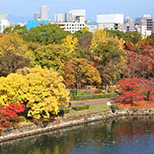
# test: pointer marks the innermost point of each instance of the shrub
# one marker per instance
(63, 111)
(9, 114)
(80, 107)
(114, 108)
(73, 92)
(22, 118)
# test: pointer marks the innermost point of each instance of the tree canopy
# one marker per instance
(14, 54)
(46, 34)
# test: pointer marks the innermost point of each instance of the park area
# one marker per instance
(45, 71)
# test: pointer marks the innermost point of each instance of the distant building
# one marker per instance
(128, 25)
(3, 16)
(74, 20)
(3, 22)
(110, 21)
(37, 16)
(44, 12)
(92, 26)
(76, 15)
(59, 17)
(36, 23)
(73, 27)
(144, 25)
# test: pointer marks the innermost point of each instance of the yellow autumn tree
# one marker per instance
(84, 71)
(70, 42)
(14, 54)
(85, 29)
(41, 90)
(99, 36)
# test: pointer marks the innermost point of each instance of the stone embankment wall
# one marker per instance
(41, 127)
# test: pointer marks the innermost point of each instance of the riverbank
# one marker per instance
(56, 124)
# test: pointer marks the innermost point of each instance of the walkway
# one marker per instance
(93, 102)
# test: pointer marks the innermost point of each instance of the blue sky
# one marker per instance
(19, 10)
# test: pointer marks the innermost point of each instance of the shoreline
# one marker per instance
(12, 133)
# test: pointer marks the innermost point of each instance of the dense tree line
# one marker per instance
(97, 59)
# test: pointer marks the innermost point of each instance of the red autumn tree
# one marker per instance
(144, 43)
(138, 65)
(9, 114)
(128, 90)
(148, 51)
(147, 88)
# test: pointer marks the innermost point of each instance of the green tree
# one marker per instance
(51, 56)
(46, 34)
(84, 37)
(21, 30)
(110, 59)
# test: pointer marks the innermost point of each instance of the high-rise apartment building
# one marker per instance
(144, 25)
(44, 12)
(59, 17)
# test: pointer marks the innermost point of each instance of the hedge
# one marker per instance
(63, 111)
(92, 97)
(80, 107)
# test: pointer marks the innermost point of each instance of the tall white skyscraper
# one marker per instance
(44, 12)
(3, 22)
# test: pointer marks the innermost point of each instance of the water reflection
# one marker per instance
(131, 135)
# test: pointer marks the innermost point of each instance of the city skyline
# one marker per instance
(24, 10)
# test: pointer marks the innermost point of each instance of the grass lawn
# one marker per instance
(92, 109)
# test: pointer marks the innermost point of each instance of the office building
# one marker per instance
(44, 12)
(128, 25)
(92, 26)
(75, 20)
(110, 21)
(77, 15)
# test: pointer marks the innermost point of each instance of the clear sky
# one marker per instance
(19, 10)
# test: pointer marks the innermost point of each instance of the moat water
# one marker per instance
(125, 135)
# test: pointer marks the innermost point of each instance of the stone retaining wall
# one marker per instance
(41, 127)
